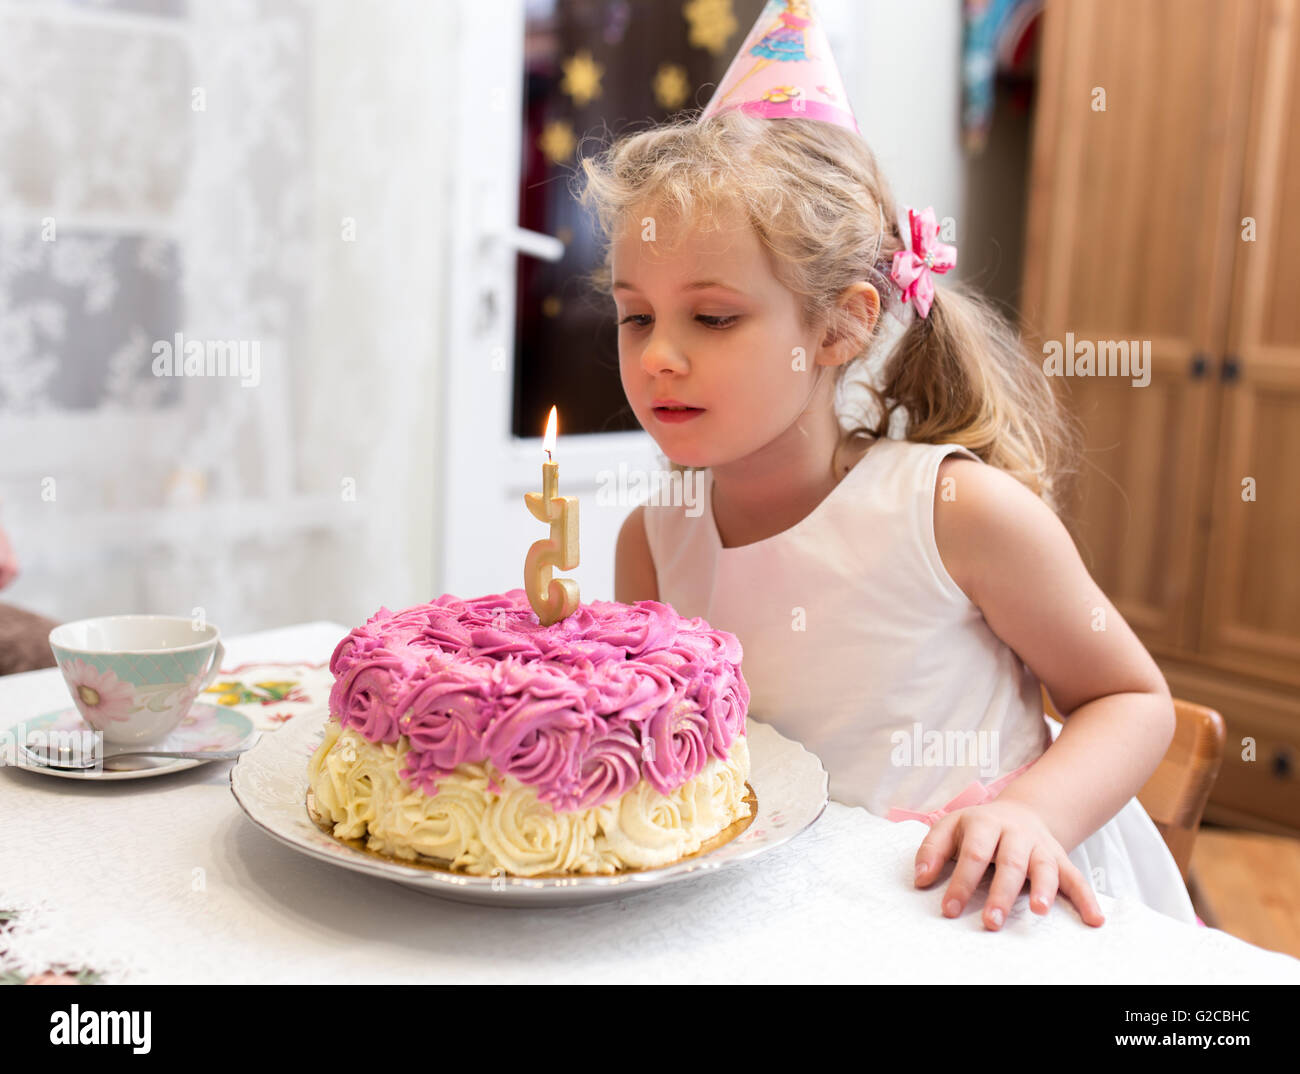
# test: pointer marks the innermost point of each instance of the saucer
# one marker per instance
(204, 727)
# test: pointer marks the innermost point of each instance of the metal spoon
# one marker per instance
(66, 758)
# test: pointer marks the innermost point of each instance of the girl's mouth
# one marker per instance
(677, 414)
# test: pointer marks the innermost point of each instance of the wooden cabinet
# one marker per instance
(1166, 155)
(1252, 620)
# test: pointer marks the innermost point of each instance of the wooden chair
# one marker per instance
(1175, 795)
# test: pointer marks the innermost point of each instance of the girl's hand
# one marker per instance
(1013, 837)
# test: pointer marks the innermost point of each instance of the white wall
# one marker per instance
(371, 398)
(901, 65)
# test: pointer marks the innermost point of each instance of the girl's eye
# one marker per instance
(711, 322)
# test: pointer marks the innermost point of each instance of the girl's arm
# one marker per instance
(1013, 558)
(634, 569)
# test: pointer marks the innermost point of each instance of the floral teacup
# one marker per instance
(134, 677)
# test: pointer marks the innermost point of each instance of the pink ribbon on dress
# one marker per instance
(912, 268)
(976, 793)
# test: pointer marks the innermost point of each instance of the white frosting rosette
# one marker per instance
(645, 828)
(485, 822)
(352, 778)
(527, 837)
(445, 826)
(714, 801)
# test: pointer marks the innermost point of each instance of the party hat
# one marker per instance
(785, 69)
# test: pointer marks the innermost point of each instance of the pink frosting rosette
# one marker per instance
(450, 604)
(679, 733)
(486, 611)
(578, 673)
(675, 662)
(502, 625)
(622, 697)
(540, 736)
(723, 697)
(691, 650)
(502, 641)
(576, 635)
(706, 664)
(634, 691)
(444, 714)
(405, 627)
(365, 697)
(715, 644)
(442, 630)
(508, 673)
(581, 624)
(636, 628)
(593, 652)
(359, 641)
(611, 765)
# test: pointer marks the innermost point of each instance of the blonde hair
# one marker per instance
(816, 200)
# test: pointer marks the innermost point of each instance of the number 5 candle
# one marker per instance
(552, 598)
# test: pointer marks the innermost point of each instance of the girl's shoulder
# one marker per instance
(983, 516)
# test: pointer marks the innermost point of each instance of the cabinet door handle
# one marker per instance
(1282, 764)
(1200, 365)
(1231, 368)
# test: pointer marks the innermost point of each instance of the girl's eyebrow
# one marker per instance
(697, 285)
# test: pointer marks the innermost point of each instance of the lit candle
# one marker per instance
(552, 598)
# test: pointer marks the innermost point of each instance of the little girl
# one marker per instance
(899, 598)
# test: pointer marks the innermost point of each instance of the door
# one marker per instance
(1252, 621)
(548, 80)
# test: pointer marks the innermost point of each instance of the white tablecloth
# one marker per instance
(166, 880)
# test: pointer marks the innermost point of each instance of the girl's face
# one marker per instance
(704, 323)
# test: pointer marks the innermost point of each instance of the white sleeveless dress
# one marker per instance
(859, 644)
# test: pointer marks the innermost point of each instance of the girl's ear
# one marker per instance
(857, 311)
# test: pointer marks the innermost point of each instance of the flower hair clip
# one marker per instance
(912, 268)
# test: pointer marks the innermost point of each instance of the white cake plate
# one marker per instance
(270, 783)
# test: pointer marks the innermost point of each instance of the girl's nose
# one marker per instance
(661, 356)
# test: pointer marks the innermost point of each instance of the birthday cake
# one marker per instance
(465, 734)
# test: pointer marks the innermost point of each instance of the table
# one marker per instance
(165, 880)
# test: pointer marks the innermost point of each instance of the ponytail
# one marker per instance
(962, 376)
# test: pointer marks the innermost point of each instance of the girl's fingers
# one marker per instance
(935, 849)
(1075, 887)
(979, 842)
(1008, 879)
(1043, 880)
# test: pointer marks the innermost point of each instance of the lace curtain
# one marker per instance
(263, 179)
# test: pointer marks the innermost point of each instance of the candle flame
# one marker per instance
(548, 443)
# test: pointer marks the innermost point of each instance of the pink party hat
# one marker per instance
(785, 69)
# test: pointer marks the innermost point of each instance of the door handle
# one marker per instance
(1230, 370)
(532, 243)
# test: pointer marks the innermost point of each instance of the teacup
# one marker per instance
(134, 677)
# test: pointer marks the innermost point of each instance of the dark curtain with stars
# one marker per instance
(595, 69)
